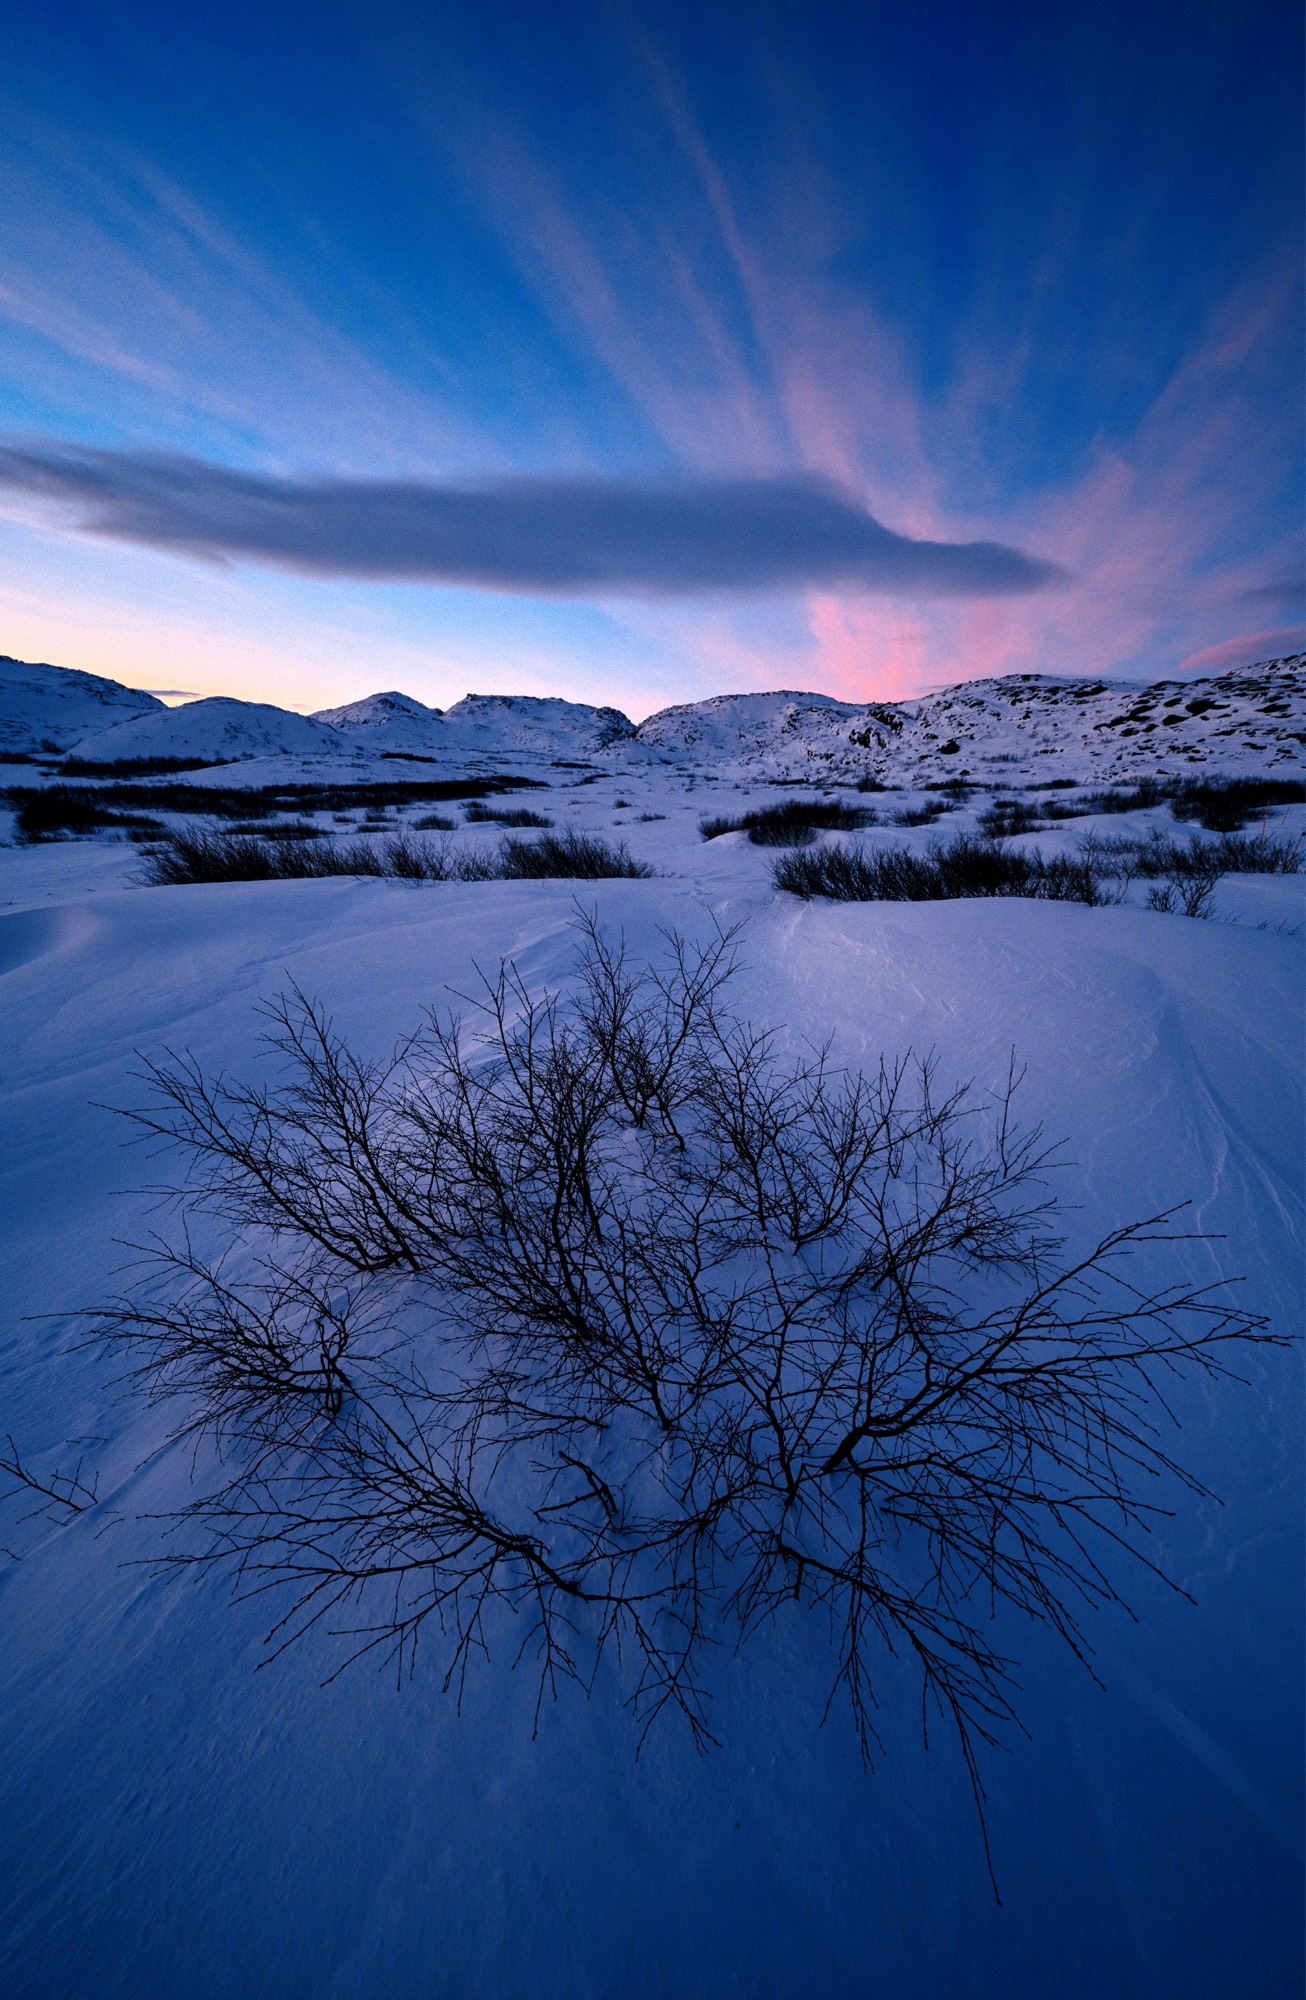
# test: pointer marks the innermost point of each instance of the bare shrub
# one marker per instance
(597, 1324)
(925, 814)
(60, 813)
(281, 829)
(1191, 894)
(1099, 871)
(245, 802)
(191, 854)
(1226, 805)
(1186, 873)
(1147, 794)
(477, 814)
(1227, 854)
(963, 867)
(567, 856)
(1221, 805)
(1007, 817)
(796, 823)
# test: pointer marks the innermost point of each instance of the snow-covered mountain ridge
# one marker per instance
(1022, 726)
(1017, 728)
(529, 725)
(216, 730)
(45, 708)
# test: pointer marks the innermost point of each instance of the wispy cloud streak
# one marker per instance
(553, 536)
(814, 282)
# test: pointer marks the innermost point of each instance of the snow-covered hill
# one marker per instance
(480, 725)
(535, 725)
(215, 731)
(1020, 728)
(51, 708)
(1251, 720)
(778, 735)
(391, 722)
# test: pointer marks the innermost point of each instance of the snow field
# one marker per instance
(175, 1822)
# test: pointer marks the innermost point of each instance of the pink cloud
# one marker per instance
(1253, 646)
(868, 650)
(740, 353)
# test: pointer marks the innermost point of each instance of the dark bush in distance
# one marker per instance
(965, 867)
(1227, 854)
(477, 814)
(599, 1324)
(793, 824)
(925, 814)
(1226, 805)
(566, 856)
(1006, 818)
(1220, 805)
(281, 829)
(194, 855)
(138, 767)
(57, 814)
(1148, 792)
(257, 801)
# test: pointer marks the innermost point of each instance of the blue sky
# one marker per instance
(642, 353)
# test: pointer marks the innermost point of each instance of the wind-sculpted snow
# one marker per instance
(174, 1821)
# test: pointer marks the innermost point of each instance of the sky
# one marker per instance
(642, 353)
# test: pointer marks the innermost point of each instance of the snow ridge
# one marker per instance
(214, 731)
(1022, 727)
(1019, 728)
(45, 708)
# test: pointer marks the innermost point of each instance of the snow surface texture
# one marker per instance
(174, 1823)
(50, 708)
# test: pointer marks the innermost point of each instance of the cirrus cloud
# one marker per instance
(550, 536)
